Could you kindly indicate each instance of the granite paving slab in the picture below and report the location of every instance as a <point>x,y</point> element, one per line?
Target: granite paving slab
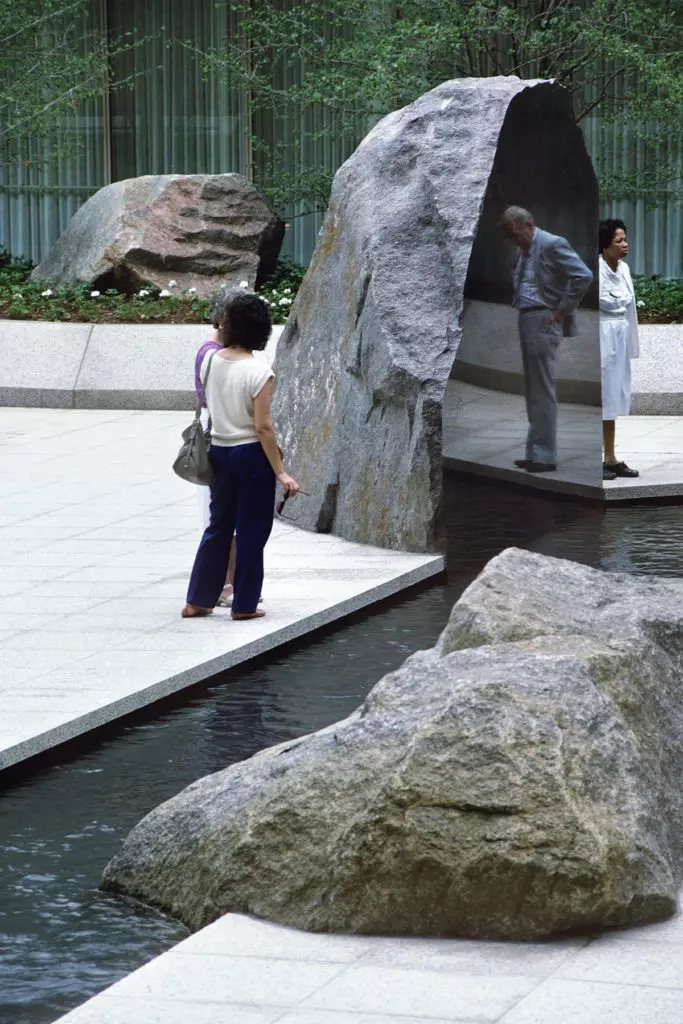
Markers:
<point>96,546</point>
<point>240,965</point>
<point>484,432</point>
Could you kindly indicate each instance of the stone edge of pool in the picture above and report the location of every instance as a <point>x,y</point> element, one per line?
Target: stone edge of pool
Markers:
<point>80,725</point>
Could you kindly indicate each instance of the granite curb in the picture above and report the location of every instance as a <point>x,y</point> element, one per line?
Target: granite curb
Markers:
<point>140,366</point>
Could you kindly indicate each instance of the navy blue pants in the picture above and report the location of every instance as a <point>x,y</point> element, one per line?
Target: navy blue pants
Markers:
<point>242,499</point>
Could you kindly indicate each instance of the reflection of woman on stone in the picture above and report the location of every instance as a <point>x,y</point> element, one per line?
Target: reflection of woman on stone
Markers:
<point>618,339</point>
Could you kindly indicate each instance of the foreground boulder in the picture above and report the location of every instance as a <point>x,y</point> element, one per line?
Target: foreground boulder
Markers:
<point>522,779</point>
<point>364,360</point>
<point>199,230</point>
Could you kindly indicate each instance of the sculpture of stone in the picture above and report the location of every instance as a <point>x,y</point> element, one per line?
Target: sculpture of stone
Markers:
<point>364,360</point>
<point>520,780</point>
<point>199,230</point>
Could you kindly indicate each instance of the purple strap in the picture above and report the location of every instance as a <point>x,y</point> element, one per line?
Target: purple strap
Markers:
<point>205,347</point>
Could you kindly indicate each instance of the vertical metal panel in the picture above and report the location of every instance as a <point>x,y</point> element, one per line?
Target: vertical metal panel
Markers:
<point>43,188</point>
<point>654,220</point>
<point>173,119</point>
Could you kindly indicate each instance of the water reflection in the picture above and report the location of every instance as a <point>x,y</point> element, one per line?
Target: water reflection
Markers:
<point>60,939</point>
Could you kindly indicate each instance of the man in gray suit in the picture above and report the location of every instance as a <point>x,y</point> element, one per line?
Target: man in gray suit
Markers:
<point>549,282</point>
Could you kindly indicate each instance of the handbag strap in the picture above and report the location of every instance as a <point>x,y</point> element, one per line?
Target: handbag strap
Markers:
<point>200,400</point>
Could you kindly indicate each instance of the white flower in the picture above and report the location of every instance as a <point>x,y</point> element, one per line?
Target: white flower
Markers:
<point>192,291</point>
<point>244,284</point>
<point>47,293</point>
<point>173,284</point>
<point>288,291</point>
<point>640,303</point>
<point>164,294</point>
<point>143,293</point>
<point>95,295</point>
<point>17,295</point>
<point>285,302</point>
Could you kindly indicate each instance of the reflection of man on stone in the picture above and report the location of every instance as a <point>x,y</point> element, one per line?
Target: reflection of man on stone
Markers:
<point>549,282</point>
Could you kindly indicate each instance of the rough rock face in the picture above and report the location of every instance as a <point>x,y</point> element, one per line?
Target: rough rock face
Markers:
<point>522,779</point>
<point>363,362</point>
<point>200,230</point>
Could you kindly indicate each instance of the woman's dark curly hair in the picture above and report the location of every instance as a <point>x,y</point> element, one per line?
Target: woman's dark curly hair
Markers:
<point>607,231</point>
<point>243,319</point>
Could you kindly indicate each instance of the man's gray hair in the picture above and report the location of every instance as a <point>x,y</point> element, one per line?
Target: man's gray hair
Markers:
<point>221,301</point>
<point>516,215</point>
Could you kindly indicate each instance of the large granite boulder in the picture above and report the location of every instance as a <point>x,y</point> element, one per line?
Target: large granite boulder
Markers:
<point>522,779</point>
<point>199,230</point>
<point>363,362</point>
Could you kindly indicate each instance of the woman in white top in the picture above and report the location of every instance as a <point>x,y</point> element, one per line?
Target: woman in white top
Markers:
<point>245,457</point>
<point>618,339</point>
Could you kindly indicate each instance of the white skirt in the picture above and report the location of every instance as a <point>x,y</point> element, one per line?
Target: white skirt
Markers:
<point>615,367</point>
<point>203,500</point>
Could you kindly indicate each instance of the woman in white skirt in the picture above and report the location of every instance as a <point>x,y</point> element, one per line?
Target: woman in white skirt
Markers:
<point>618,340</point>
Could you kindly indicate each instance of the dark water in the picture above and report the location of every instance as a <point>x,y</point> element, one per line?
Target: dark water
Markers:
<point>61,940</point>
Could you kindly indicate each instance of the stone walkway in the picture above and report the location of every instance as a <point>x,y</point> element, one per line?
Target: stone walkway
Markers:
<point>97,538</point>
<point>243,971</point>
<point>484,432</point>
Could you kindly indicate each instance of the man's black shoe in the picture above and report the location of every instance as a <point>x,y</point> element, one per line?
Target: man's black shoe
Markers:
<point>540,467</point>
<point>522,463</point>
<point>607,473</point>
<point>620,469</point>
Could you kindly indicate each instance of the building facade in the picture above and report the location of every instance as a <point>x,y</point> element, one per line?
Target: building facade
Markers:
<point>165,114</point>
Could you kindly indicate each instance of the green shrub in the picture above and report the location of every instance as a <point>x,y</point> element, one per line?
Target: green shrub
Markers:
<point>660,301</point>
<point>21,299</point>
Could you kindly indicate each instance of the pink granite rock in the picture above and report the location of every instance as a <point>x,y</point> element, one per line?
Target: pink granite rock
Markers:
<point>199,230</point>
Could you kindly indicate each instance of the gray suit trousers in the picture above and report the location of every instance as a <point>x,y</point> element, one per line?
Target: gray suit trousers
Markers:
<point>540,340</point>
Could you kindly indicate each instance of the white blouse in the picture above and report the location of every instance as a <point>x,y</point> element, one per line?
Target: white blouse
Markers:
<point>618,299</point>
<point>233,386</point>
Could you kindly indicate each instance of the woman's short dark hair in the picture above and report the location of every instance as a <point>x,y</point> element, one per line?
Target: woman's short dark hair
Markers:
<point>245,319</point>
<point>607,230</point>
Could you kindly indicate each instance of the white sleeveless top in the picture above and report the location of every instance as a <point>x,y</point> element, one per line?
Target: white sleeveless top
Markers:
<point>233,386</point>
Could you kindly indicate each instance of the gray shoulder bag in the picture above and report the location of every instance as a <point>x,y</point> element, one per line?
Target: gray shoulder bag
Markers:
<point>192,462</point>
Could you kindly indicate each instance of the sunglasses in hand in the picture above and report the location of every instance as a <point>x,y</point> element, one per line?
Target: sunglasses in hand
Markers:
<point>281,504</point>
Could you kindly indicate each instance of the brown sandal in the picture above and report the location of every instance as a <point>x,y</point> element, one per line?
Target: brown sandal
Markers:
<point>258,614</point>
<point>191,611</point>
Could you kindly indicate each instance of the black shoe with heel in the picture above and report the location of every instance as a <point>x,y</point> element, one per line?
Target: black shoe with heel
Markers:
<point>619,469</point>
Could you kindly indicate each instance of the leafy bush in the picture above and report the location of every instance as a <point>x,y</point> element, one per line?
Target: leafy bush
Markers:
<point>659,301</point>
<point>279,290</point>
<point>21,299</point>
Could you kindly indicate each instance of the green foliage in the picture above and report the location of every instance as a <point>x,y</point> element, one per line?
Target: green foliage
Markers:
<point>349,62</point>
<point>659,301</point>
<point>21,299</point>
<point>51,62</point>
<point>55,59</point>
<point>279,290</point>
<point>287,274</point>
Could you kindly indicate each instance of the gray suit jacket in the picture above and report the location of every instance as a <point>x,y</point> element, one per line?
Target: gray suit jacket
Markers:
<point>561,277</point>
